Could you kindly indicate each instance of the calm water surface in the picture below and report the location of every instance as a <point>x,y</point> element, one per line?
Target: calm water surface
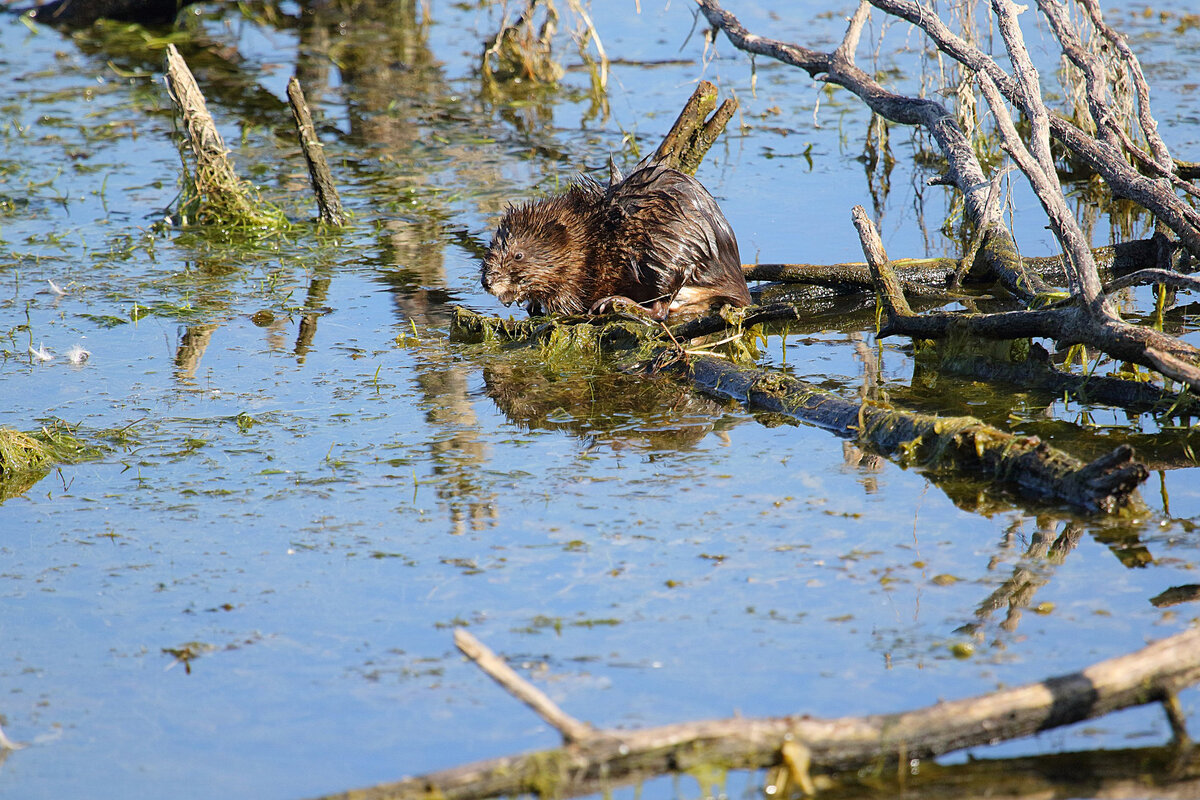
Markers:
<point>311,485</point>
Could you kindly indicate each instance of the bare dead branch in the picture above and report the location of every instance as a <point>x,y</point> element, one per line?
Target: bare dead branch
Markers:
<point>571,729</point>
<point>1099,156</point>
<point>329,205</point>
<point>1000,252</point>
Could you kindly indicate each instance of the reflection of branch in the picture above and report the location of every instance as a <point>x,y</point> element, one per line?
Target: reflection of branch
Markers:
<point>191,349</point>
<point>601,758</point>
<point>1017,592</point>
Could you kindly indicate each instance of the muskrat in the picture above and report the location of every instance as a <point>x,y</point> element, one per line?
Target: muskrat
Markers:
<point>656,238</point>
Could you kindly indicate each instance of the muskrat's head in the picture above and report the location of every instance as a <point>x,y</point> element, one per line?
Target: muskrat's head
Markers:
<point>531,257</point>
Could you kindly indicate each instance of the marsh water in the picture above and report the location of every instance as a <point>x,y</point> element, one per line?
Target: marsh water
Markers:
<point>301,485</point>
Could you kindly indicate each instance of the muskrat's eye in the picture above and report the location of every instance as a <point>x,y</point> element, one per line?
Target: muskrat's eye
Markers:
<point>518,256</point>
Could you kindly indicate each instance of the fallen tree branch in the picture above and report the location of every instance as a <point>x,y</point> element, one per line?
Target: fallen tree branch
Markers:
<point>1102,158</point>
<point>1092,319</point>
<point>609,757</point>
<point>928,277</point>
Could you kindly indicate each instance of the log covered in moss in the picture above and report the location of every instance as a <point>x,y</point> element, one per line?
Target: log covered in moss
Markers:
<point>962,444</point>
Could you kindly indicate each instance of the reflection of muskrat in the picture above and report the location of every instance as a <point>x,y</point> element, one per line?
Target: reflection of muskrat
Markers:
<point>656,238</point>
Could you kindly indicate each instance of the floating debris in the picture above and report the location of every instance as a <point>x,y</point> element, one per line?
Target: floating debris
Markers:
<point>41,353</point>
<point>55,288</point>
<point>76,354</point>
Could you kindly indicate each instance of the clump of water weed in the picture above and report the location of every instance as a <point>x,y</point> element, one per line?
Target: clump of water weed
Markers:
<point>25,458</point>
<point>212,194</point>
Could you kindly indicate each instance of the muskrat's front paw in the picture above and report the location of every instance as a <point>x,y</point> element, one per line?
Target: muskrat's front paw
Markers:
<point>614,303</point>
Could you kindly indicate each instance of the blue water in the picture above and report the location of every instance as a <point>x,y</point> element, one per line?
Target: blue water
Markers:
<point>311,520</point>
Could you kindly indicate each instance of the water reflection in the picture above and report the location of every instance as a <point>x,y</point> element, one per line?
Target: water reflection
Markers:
<point>610,409</point>
<point>1033,571</point>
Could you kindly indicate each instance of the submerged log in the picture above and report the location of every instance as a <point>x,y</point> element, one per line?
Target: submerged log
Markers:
<point>838,748</point>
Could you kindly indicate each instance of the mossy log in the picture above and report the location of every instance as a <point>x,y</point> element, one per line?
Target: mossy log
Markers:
<point>826,749</point>
<point>963,444</point>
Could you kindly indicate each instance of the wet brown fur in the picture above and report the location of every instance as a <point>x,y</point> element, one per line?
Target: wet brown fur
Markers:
<point>657,238</point>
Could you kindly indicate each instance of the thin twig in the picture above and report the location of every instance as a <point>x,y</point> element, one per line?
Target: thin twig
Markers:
<point>571,729</point>
<point>1174,280</point>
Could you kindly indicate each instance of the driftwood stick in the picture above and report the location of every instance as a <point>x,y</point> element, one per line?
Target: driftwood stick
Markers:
<point>213,193</point>
<point>571,729</point>
<point>205,140</point>
<point>891,293</point>
<point>833,746</point>
<point>329,205</point>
